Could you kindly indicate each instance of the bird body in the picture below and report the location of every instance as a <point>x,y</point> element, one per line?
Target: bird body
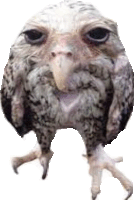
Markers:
<point>68,68</point>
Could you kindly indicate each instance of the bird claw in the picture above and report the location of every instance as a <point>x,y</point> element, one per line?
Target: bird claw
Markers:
<point>15,170</point>
<point>130,192</point>
<point>93,197</point>
<point>99,161</point>
<point>44,174</point>
<point>45,164</point>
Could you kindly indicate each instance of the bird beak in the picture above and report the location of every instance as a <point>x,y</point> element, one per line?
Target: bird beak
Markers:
<point>62,68</point>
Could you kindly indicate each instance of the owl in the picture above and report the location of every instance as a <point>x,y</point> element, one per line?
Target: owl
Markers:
<point>68,69</point>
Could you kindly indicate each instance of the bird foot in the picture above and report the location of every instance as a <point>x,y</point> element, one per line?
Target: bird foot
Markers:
<point>17,161</point>
<point>44,160</point>
<point>99,161</point>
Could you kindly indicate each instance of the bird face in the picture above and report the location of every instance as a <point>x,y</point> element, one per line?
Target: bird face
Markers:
<point>72,42</point>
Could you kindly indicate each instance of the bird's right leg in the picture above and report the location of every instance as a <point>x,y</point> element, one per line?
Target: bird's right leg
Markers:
<point>18,161</point>
<point>43,153</point>
<point>45,138</point>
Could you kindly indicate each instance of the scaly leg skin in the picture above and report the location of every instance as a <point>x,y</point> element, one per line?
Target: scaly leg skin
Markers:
<point>99,161</point>
<point>44,160</point>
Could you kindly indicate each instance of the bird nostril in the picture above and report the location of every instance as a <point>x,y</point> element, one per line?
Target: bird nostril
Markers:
<point>69,54</point>
<point>53,54</point>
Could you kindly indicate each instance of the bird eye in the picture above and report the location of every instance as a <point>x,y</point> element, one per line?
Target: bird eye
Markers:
<point>34,36</point>
<point>98,35</point>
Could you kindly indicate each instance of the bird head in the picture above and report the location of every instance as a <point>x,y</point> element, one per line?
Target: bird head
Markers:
<point>68,39</point>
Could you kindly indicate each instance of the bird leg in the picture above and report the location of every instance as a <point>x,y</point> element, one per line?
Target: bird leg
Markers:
<point>44,160</point>
<point>99,161</point>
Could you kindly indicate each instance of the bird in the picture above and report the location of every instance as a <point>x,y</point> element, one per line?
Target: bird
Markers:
<point>68,69</point>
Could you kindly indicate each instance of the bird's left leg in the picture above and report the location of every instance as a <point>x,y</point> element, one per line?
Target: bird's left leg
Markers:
<point>98,161</point>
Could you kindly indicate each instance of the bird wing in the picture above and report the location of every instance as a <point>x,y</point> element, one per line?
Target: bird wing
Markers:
<point>12,92</point>
<point>122,103</point>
